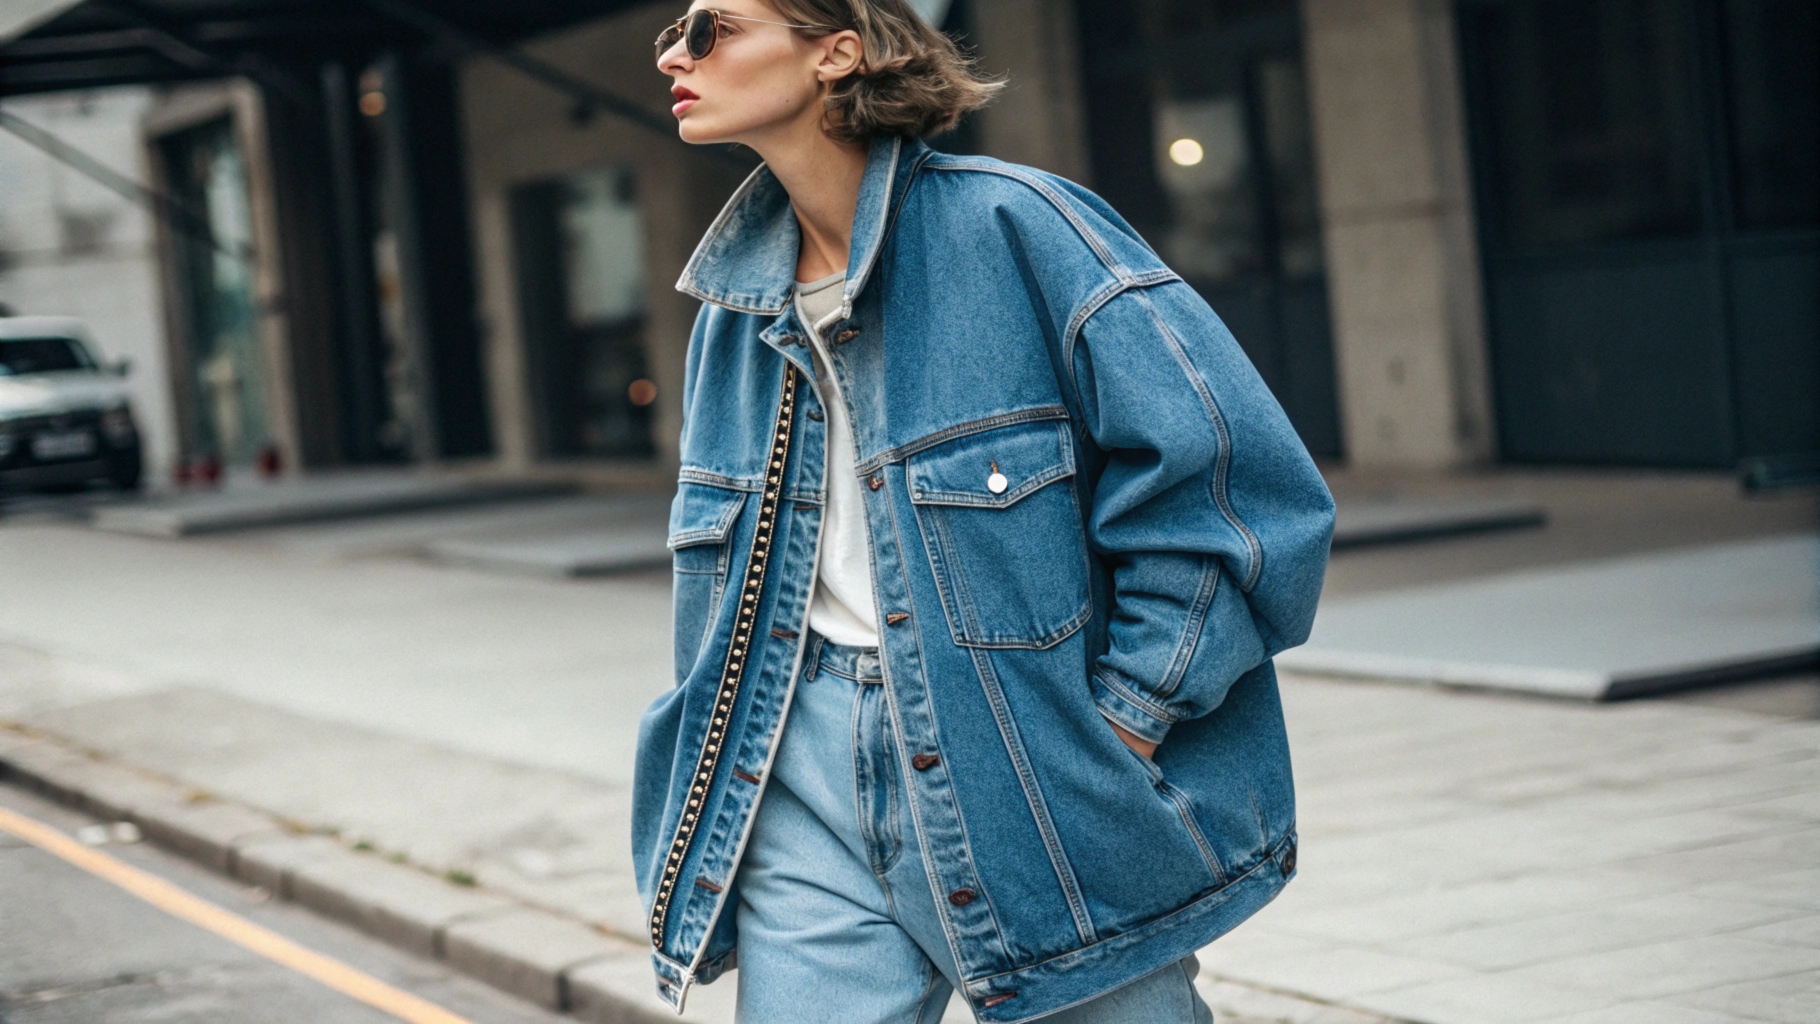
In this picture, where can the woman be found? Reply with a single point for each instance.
(984, 536)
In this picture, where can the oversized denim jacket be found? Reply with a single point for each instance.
(1159, 533)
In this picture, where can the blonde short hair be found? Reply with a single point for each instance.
(913, 81)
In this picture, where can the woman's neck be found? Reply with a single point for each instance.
(822, 178)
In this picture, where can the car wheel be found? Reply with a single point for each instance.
(126, 470)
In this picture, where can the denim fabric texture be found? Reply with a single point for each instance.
(1082, 503)
(837, 924)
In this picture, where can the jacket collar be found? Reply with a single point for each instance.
(747, 259)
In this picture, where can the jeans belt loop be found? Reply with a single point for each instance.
(812, 658)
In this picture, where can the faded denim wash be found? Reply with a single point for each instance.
(1082, 502)
(836, 921)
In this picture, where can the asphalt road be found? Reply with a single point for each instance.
(76, 948)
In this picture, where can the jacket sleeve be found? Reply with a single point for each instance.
(1209, 514)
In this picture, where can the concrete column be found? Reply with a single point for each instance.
(1403, 269)
(1037, 119)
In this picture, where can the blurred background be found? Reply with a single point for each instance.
(338, 427)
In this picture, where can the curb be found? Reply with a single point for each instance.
(556, 962)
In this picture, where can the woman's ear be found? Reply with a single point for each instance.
(842, 54)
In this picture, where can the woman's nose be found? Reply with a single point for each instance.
(675, 59)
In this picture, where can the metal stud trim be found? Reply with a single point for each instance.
(735, 664)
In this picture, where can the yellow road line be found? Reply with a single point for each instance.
(238, 930)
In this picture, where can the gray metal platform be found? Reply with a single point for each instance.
(593, 553)
(252, 505)
(1359, 521)
(1595, 630)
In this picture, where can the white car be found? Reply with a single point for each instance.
(64, 418)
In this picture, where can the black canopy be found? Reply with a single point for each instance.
(117, 42)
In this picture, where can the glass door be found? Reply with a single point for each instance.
(225, 411)
(1647, 191)
(1200, 135)
(580, 251)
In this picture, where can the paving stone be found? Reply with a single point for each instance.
(270, 863)
(525, 952)
(1242, 1004)
(1799, 888)
(1799, 931)
(208, 832)
(1484, 999)
(1785, 999)
(398, 904)
(102, 789)
(1614, 924)
(1677, 966)
(1651, 1012)
(1336, 972)
(308, 500)
(11, 740)
(44, 764)
(620, 989)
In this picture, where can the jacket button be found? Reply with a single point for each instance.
(961, 897)
(847, 335)
(1289, 860)
(893, 618)
(875, 481)
(814, 414)
(924, 762)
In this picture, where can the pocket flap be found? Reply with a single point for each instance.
(702, 514)
(961, 472)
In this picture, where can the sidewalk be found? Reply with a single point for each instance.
(1466, 859)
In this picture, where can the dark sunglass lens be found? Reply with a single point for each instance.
(667, 39)
(700, 31)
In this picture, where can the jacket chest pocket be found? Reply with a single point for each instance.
(998, 514)
(702, 518)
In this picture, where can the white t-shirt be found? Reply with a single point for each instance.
(841, 608)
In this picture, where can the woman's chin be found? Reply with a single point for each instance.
(697, 133)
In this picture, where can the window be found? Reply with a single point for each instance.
(19, 356)
(1591, 118)
(582, 286)
(1773, 65)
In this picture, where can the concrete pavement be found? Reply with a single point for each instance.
(1465, 858)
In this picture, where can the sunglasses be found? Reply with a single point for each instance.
(700, 29)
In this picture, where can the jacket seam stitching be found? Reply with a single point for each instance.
(1223, 460)
(687, 282)
(850, 291)
(1184, 808)
(1090, 236)
(1095, 302)
(1268, 858)
(703, 476)
(1033, 795)
(1191, 631)
(909, 448)
(1136, 700)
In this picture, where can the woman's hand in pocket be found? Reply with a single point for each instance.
(1144, 747)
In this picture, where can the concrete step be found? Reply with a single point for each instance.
(309, 499)
(590, 553)
(1360, 521)
(1595, 630)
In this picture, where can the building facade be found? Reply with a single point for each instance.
(1450, 233)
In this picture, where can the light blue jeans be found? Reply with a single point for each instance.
(836, 920)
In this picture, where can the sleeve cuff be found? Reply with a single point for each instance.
(1122, 704)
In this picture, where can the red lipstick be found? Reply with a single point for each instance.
(684, 99)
